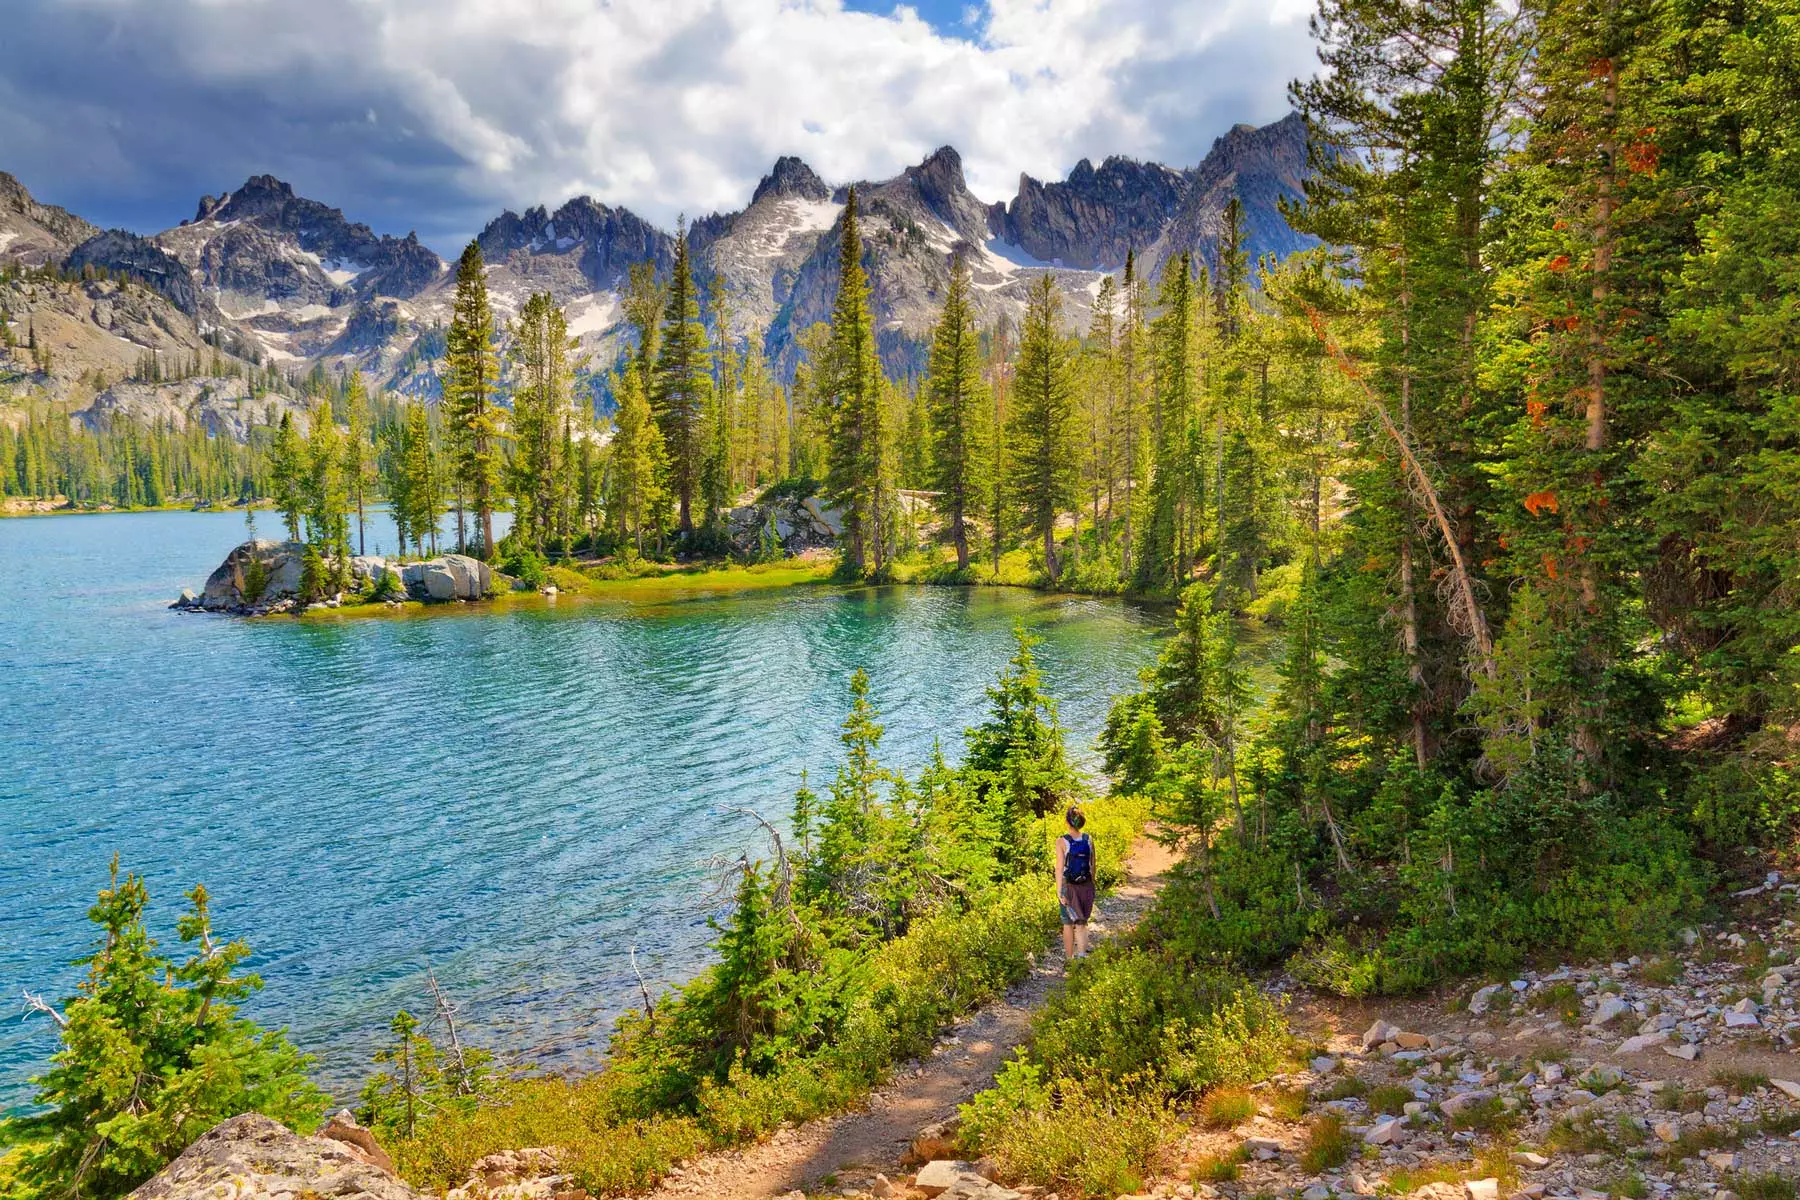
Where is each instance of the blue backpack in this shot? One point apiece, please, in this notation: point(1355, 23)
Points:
point(1078, 860)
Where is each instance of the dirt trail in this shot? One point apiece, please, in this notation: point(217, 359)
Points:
point(877, 1137)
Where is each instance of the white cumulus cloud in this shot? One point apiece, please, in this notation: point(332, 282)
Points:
point(436, 113)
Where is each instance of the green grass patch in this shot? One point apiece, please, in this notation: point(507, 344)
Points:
point(1763, 1187)
point(1227, 1108)
point(1328, 1144)
point(1347, 1088)
point(1220, 1168)
point(1390, 1100)
point(1741, 1082)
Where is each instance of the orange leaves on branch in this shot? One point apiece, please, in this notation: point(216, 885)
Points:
point(1600, 68)
point(1536, 408)
point(1642, 155)
point(1550, 566)
point(1559, 263)
point(1540, 502)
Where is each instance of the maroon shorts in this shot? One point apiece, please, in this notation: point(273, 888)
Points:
point(1077, 902)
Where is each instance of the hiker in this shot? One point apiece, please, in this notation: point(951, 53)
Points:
point(1075, 884)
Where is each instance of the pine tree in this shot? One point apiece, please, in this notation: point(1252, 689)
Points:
point(1041, 466)
point(359, 466)
point(472, 414)
point(287, 475)
point(958, 404)
point(1174, 487)
point(634, 495)
point(850, 384)
point(683, 388)
point(154, 1053)
point(540, 418)
point(423, 488)
point(327, 494)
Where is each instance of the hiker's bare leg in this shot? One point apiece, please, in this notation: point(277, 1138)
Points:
point(1081, 941)
point(1068, 941)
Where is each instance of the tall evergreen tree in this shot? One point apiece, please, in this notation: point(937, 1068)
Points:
point(541, 416)
point(359, 463)
point(471, 384)
point(850, 384)
point(958, 404)
point(1041, 468)
point(634, 495)
point(683, 387)
point(287, 475)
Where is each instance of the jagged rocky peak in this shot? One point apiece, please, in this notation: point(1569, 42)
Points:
point(116, 250)
point(1094, 217)
point(791, 177)
point(350, 254)
point(261, 196)
point(34, 233)
point(601, 242)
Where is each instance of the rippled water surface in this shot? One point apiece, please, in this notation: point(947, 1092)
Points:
point(513, 798)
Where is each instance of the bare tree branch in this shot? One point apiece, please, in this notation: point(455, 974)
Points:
point(447, 1011)
point(649, 1005)
point(1473, 621)
point(36, 1003)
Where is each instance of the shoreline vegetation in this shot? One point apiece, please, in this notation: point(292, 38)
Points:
point(1508, 461)
point(888, 907)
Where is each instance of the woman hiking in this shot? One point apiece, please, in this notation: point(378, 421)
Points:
point(1075, 884)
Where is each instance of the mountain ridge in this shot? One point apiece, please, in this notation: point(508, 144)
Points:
point(305, 285)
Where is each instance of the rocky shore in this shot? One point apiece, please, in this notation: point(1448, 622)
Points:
point(262, 577)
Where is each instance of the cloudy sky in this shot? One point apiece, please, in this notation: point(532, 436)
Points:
point(436, 114)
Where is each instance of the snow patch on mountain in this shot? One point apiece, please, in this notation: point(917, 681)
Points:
point(596, 314)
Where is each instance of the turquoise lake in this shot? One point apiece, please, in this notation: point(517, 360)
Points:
point(512, 799)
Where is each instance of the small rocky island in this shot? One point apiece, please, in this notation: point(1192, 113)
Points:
point(262, 577)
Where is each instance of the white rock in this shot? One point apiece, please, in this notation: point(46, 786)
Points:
point(1529, 1158)
point(1643, 1042)
point(1610, 1009)
point(1317, 1191)
point(941, 1174)
point(1786, 1087)
point(1686, 1053)
point(1741, 1020)
point(1483, 1189)
point(1386, 1131)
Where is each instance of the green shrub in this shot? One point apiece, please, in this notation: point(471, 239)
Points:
point(1095, 1139)
point(388, 587)
point(526, 565)
point(154, 1053)
point(1131, 1012)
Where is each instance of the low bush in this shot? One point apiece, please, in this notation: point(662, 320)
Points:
point(1131, 1034)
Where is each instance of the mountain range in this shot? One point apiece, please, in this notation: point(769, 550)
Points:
point(271, 276)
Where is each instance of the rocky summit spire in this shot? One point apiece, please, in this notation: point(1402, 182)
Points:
point(791, 177)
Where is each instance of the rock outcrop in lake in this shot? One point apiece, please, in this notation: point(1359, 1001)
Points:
point(261, 576)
